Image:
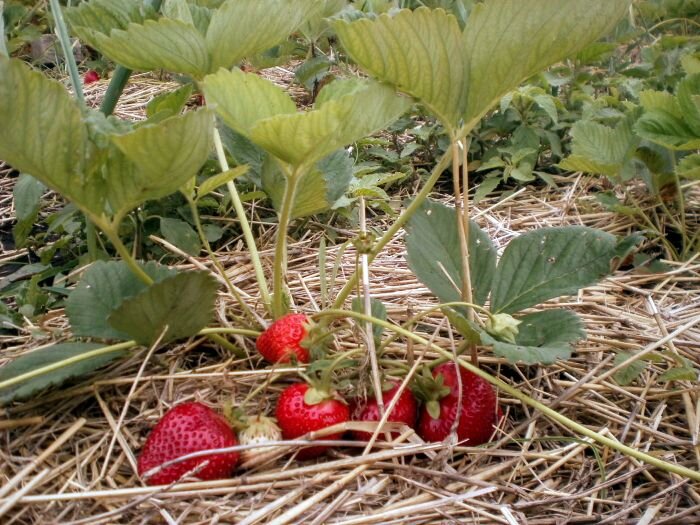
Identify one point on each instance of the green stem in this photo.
(398, 224)
(3, 44)
(64, 39)
(117, 83)
(215, 260)
(280, 263)
(517, 394)
(681, 206)
(120, 77)
(109, 349)
(222, 341)
(125, 255)
(243, 221)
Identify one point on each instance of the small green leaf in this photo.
(434, 255)
(212, 183)
(181, 234)
(243, 99)
(102, 16)
(393, 49)
(629, 373)
(688, 96)
(689, 167)
(184, 303)
(550, 262)
(543, 337)
(668, 130)
(48, 356)
(26, 196)
(169, 104)
(103, 287)
(487, 186)
(157, 44)
(318, 190)
(163, 158)
(679, 373)
(242, 28)
(305, 138)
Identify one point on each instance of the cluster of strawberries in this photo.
(453, 399)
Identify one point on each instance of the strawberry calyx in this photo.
(430, 390)
(319, 376)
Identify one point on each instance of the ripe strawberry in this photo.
(259, 429)
(302, 409)
(478, 413)
(91, 77)
(284, 339)
(404, 411)
(184, 429)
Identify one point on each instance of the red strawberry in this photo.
(184, 429)
(91, 77)
(283, 339)
(302, 409)
(404, 411)
(478, 413)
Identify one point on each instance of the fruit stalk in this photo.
(650, 459)
(394, 229)
(280, 263)
(367, 307)
(243, 220)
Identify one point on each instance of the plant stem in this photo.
(245, 225)
(280, 263)
(215, 260)
(109, 349)
(398, 224)
(681, 208)
(3, 43)
(64, 39)
(115, 89)
(650, 459)
(113, 236)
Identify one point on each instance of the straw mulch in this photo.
(69, 456)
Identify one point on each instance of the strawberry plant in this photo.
(455, 68)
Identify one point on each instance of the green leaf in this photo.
(689, 101)
(241, 28)
(434, 255)
(378, 310)
(629, 373)
(600, 149)
(317, 191)
(543, 337)
(212, 183)
(184, 303)
(668, 130)
(312, 71)
(103, 287)
(660, 101)
(48, 356)
(305, 138)
(243, 99)
(48, 145)
(101, 16)
(164, 157)
(419, 52)
(679, 373)
(689, 167)
(169, 104)
(27, 201)
(181, 234)
(550, 262)
(497, 30)
(178, 10)
(163, 44)
(463, 74)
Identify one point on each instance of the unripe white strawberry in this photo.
(260, 429)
